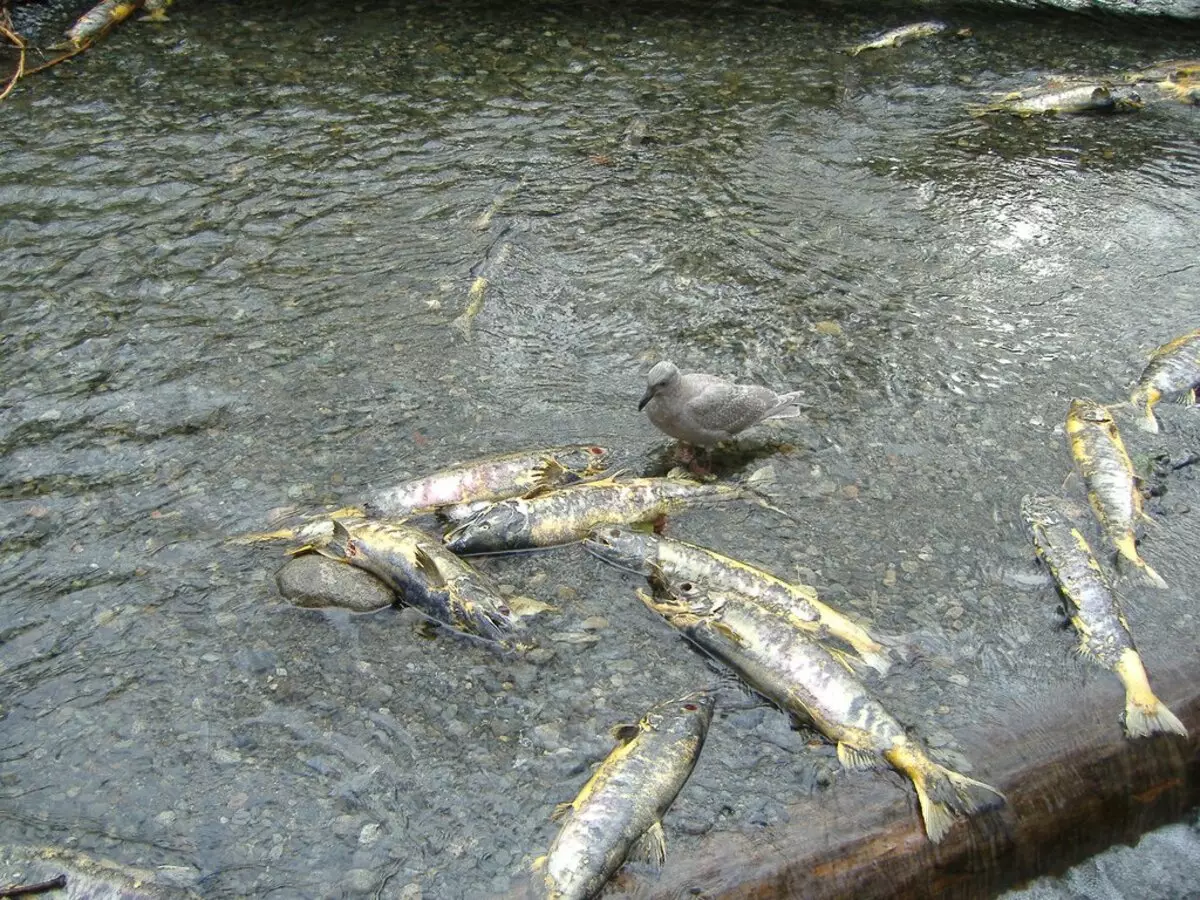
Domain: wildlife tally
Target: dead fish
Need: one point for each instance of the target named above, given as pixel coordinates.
(619, 810)
(97, 20)
(1101, 460)
(554, 517)
(1167, 69)
(1103, 632)
(803, 678)
(1058, 97)
(491, 479)
(424, 575)
(899, 36)
(655, 556)
(1174, 368)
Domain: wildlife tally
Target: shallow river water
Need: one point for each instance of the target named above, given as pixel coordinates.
(233, 247)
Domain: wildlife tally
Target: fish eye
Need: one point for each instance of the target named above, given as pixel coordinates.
(485, 526)
(687, 587)
(503, 610)
(596, 451)
(690, 707)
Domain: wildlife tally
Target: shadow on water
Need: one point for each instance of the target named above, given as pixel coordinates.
(235, 248)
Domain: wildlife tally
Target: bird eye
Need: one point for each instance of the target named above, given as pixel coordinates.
(596, 451)
(690, 707)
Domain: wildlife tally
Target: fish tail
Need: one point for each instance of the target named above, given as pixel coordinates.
(1143, 719)
(1145, 714)
(262, 537)
(944, 795)
(1127, 547)
(1143, 401)
(875, 656)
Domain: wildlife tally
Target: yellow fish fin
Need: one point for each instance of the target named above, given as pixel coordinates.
(651, 846)
(856, 758)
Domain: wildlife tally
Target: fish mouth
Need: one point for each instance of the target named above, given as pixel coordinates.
(646, 398)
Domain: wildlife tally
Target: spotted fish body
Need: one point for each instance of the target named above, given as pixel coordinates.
(652, 555)
(803, 678)
(423, 574)
(899, 36)
(1174, 368)
(623, 803)
(1103, 632)
(491, 479)
(566, 515)
(1101, 460)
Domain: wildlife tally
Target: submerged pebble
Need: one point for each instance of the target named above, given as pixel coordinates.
(314, 581)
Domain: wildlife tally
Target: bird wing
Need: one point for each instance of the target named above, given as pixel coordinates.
(729, 407)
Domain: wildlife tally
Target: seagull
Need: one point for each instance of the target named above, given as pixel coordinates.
(703, 409)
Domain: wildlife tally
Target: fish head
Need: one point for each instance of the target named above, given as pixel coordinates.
(489, 616)
(584, 460)
(1127, 100)
(689, 595)
(623, 547)
(501, 526)
(1089, 411)
(1038, 511)
(683, 716)
(658, 379)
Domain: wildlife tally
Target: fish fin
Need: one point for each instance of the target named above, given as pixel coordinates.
(1155, 579)
(945, 795)
(561, 810)
(651, 846)
(850, 663)
(626, 732)
(549, 471)
(759, 479)
(538, 865)
(335, 546)
(1144, 718)
(857, 759)
(428, 567)
(728, 633)
(1147, 421)
(262, 537)
(523, 607)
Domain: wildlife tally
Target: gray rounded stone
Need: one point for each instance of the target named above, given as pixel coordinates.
(313, 580)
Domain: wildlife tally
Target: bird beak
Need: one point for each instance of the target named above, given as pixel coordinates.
(645, 399)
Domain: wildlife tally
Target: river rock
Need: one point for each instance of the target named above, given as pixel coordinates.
(313, 580)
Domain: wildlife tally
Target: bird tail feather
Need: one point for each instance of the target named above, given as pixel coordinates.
(786, 406)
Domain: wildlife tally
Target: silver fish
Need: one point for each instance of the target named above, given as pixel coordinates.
(652, 555)
(622, 804)
(491, 479)
(1107, 471)
(803, 678)
(898, 36)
